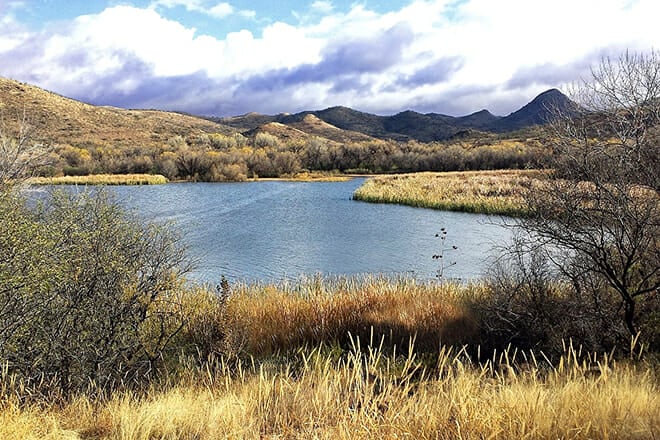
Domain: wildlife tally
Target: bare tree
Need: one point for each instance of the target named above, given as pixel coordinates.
(20, 153)
(599, 209)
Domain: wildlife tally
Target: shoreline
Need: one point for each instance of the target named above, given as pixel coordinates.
(492, 192)
(158, 179)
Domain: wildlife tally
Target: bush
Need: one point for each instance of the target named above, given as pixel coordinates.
(75, 171)
(88, 292)
(528, 304)
(599, 206)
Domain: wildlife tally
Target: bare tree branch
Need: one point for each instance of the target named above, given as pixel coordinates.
(602, 202)
(20, 154)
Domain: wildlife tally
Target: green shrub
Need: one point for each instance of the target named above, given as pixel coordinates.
(88, 292)
(75, 171)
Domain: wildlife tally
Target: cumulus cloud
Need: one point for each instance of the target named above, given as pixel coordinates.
(221, 10)
(446, 56)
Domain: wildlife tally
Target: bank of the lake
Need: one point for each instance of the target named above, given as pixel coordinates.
(102, 179)
(158, 179)
(482, 192)
(485, 192)
(284, 367)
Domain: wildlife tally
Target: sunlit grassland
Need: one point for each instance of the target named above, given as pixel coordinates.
(102, 179)
(486, 192)
(364, 395)
(157, 179)
(291, 370)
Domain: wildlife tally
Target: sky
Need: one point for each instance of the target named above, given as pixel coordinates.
(225, 58)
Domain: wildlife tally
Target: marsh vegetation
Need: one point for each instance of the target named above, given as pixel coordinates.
(102, 179)
(484, 192)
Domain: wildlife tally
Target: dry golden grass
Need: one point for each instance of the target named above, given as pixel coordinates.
(266, 318)
(365, 395)
(314, 126)
(358, 391)
(316, 176)
(60, 120)
(102, 179)
(487, 192)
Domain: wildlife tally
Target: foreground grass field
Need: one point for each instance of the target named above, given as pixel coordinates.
(324, 358)
(485, 192)
(364, 395)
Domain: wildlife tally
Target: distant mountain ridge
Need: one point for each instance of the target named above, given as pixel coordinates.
(66, 121)
(411, 125)
(538, 112)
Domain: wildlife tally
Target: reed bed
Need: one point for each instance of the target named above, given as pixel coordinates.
(367, 395)
(309, 176)
(267, 318)
(485, 192)
(102, 179)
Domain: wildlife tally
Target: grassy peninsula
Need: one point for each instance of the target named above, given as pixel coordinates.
(485, 192)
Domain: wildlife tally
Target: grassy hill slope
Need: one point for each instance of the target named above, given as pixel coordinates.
(60, 120)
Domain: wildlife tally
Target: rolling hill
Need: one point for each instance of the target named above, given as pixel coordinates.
(60, 120)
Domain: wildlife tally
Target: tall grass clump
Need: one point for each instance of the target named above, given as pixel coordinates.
(485, 192)
(262, 319)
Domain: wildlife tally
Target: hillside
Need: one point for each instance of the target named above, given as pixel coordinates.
(538, 112)
(87, 139)
(336, 124)
(60, 120)
(409, 125)
(313, 125)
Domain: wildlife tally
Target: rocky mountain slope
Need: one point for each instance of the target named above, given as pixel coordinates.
(409, 124)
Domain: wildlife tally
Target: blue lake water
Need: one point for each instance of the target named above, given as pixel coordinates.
(272, 230)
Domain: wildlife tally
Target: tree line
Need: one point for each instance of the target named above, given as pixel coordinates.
(217, 157)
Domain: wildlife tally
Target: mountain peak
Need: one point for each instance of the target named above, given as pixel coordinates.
(551, 97)
(550, 93)
(481, 120)
(538, 112)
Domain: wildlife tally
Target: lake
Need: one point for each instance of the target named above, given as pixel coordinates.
(273, 230)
